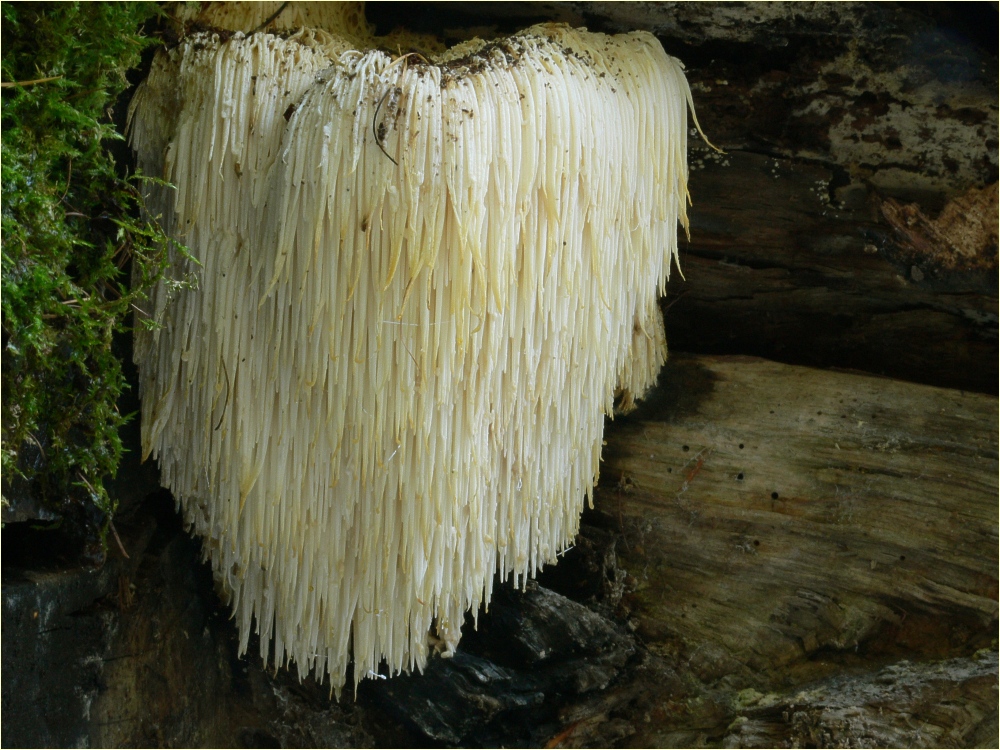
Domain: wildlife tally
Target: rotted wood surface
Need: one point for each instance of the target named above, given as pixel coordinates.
(774, 270)
(783, 526)
(761, 484)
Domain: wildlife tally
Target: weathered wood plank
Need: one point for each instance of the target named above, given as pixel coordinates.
(773, 513)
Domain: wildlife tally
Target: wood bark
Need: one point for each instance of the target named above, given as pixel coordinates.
(806, 509)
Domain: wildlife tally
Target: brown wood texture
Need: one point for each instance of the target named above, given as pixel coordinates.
(786, 526)
(795, 254)
(774, 269)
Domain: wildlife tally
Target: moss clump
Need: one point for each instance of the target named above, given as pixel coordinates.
(71, 225)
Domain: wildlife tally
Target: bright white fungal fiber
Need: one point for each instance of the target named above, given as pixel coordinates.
(421, 287)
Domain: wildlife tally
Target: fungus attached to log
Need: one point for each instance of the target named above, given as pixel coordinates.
(422, 284)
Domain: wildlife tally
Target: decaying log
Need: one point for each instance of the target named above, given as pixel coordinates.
(950, 703)
(785, 524)
(829, 117)
(774, 270)
(772, 511)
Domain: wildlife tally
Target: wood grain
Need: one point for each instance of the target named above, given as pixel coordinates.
(772, 513)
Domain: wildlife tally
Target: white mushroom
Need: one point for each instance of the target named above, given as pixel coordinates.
(421, 286)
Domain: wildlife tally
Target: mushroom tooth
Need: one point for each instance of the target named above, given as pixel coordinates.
(419, 288)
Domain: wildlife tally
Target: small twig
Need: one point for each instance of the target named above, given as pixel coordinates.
(118, 539)
(69, 180)
(11, 84)
(111, 523)
(563, 735)
(225, 405)
(270, 18)
(676, 300)
(378, 141)
(34, 440)
(123, 253)
(405, 60)
(89, 485)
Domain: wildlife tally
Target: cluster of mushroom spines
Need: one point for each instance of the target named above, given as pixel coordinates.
(422, 284)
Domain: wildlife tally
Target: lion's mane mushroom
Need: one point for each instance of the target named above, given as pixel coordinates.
(422, 284)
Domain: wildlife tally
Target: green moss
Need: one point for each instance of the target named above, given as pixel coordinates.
(71, 226)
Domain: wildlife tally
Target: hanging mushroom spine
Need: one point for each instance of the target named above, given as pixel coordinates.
(422, 285)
